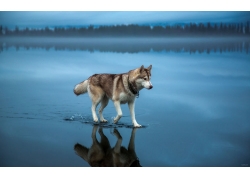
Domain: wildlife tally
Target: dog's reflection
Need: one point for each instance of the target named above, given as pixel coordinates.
(100, 154)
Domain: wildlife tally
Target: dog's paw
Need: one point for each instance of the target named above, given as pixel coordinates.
(95, 120)
(104, 120)
(115, 120)
(137, 125)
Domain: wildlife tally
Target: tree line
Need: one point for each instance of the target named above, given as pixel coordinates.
(133, 30)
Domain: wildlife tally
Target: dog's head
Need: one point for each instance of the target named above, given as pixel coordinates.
(141, 76)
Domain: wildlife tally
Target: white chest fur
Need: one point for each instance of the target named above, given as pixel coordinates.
(124, 97)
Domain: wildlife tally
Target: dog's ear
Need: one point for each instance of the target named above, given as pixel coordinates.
(141, 69)
(149, 67)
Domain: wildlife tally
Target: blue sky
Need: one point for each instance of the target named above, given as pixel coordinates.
(85, 18)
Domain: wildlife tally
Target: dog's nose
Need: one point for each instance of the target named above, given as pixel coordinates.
(150, 87)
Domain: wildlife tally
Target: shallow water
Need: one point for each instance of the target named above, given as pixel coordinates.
(197, 114)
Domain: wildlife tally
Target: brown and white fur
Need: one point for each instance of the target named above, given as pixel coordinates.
(120, 88)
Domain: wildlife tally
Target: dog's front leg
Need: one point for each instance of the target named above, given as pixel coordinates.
(131, 106)
(118, 110)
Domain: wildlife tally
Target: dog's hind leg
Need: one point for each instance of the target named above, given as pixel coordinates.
(118, 110)
(96, 94)
(104, 103)
(93, 109)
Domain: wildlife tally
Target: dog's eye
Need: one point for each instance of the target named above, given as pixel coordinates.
(145, 79)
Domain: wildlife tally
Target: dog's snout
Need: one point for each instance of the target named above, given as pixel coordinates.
(150, 87)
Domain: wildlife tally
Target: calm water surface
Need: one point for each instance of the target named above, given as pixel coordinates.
(197, 114)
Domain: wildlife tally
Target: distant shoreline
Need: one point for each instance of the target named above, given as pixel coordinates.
(130, 44)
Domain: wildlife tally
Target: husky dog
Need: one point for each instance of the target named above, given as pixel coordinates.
(120, 88)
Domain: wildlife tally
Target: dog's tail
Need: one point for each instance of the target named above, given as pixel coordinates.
(81, 88)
